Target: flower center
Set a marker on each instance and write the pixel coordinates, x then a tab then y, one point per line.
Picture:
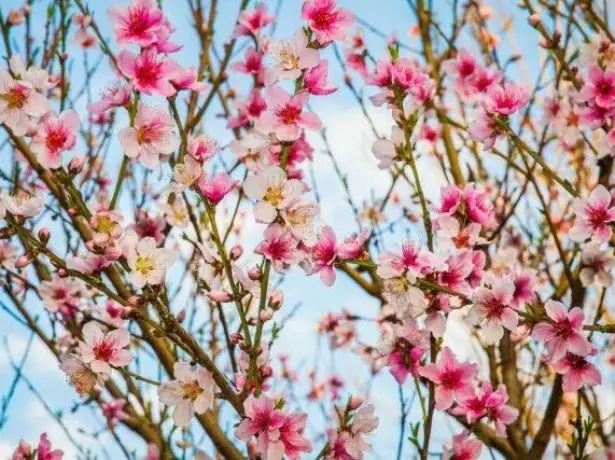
15	97
191	390
105	225
274	195
289	114
144	265
103	350
55	140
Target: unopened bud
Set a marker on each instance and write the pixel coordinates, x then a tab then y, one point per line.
267	371
236	252
355	402
181	316
534	20
236	338
76	164
44	235
23	261
266	314
276	300
16	17
72	211
63	272
255	274
135	300
126	311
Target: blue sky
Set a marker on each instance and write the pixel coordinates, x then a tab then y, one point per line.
351	140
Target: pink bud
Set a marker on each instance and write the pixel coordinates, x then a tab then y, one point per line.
16	17
267	371
276	300
126	311
219	296
23	261
135	300
255	274
76	164
236	338
43	235
534	20
181	316
355	402
63	272
266	314
236	252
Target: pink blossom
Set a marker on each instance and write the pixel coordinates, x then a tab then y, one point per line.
285	116
353	246
138	23
20	98
56	134
202	147
479	206
279	247
101	351
326	19
115	95
594	216
216	187
505	99
577	372
413	79
406	349
251	22
453	379
147	225
252	64
151	135
114	411
525	285
291	58
463	447
323	255
149	74
598	265
564	334
315	80
599	88
187	79
459	267
44	451
491	307
279	435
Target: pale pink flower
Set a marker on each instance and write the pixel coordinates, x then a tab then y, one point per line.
20	98
598	265
291	57
299	218
577	372
137	23
44	451
24	203
148	73
176	213
151	136
463	447
251	22
386	150
323	255
328	21
353	246
56	134
491	308
315	80
148	263
594	216
273	192
63	295
192	391
102	350
285	116
279	435
364	422
89	263
152	226
279	246
115	95
106	226
112	313
453	380
202	147
80	376
565	333
505	99
216	187
599	88
185	174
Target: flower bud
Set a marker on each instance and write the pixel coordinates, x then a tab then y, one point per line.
534	20
135	300
44	235
255	274
181	316
126	311
267	371
16	17
276	300
236	252
236	338
23	261
76	164
355	402
266	314
63	272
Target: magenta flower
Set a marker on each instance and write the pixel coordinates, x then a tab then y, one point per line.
406	349
202	147
326	19
252	64
599	88
44	451
216	187
315	80
593	216
463	447
279	247
490	404
323	255
353	246
564	334
138	23
149	74
453	380
56	134
251	22
114	411
285	116
459	268
187	79
505	99
577	372
278	434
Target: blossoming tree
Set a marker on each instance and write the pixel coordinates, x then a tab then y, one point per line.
148	232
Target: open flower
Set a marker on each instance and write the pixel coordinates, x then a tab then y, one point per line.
138	23
491	307
598	265
148	263
326	19
323	255
463	447
577	371
192	391
148	73
273	191
593	216
279	246
216	187
151	136
102	350
290	58
56	134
